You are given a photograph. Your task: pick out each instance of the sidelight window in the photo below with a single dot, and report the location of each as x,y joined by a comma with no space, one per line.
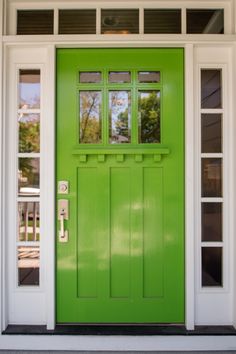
212,193
28,200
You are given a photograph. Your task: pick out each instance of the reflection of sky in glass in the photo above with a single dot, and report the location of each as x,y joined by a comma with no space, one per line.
119,111
30,117
147,94
29,95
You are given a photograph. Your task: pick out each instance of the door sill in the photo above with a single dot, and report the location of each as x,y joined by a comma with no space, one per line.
130,330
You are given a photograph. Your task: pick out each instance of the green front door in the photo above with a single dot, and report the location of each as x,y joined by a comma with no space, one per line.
120,146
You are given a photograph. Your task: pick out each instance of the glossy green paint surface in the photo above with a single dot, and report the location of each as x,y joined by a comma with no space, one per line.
124,262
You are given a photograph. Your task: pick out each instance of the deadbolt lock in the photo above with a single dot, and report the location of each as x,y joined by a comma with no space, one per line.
63,187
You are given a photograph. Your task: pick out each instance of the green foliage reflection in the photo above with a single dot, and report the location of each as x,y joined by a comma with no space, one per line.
149,116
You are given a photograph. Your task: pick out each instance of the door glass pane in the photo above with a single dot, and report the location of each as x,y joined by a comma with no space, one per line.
119,76
90,77
149,116
35,22
120,21
205,21
149,76
90,117
28,176
211,88
77,21
162,21
211,133
211,222
120,117
211,177
29,89
211,266
29,132
28,265
29,221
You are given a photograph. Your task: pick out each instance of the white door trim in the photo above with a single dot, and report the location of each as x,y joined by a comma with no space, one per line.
48,174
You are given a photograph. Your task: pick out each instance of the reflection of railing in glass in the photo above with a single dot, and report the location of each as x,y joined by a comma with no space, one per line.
29,221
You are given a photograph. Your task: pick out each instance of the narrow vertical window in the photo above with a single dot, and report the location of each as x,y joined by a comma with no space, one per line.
28,199
90,117
149,116
212,194
120,117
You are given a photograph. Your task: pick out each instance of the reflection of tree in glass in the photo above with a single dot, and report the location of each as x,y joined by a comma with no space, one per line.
29,172
149,115
90,123
119,116
29,134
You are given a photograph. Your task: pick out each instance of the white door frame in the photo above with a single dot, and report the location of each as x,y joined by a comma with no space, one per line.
112,342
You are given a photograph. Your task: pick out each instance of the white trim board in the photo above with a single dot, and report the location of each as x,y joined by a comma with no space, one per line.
118,343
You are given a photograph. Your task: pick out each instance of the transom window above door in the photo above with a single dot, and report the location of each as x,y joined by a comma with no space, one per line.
119,107
52,19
